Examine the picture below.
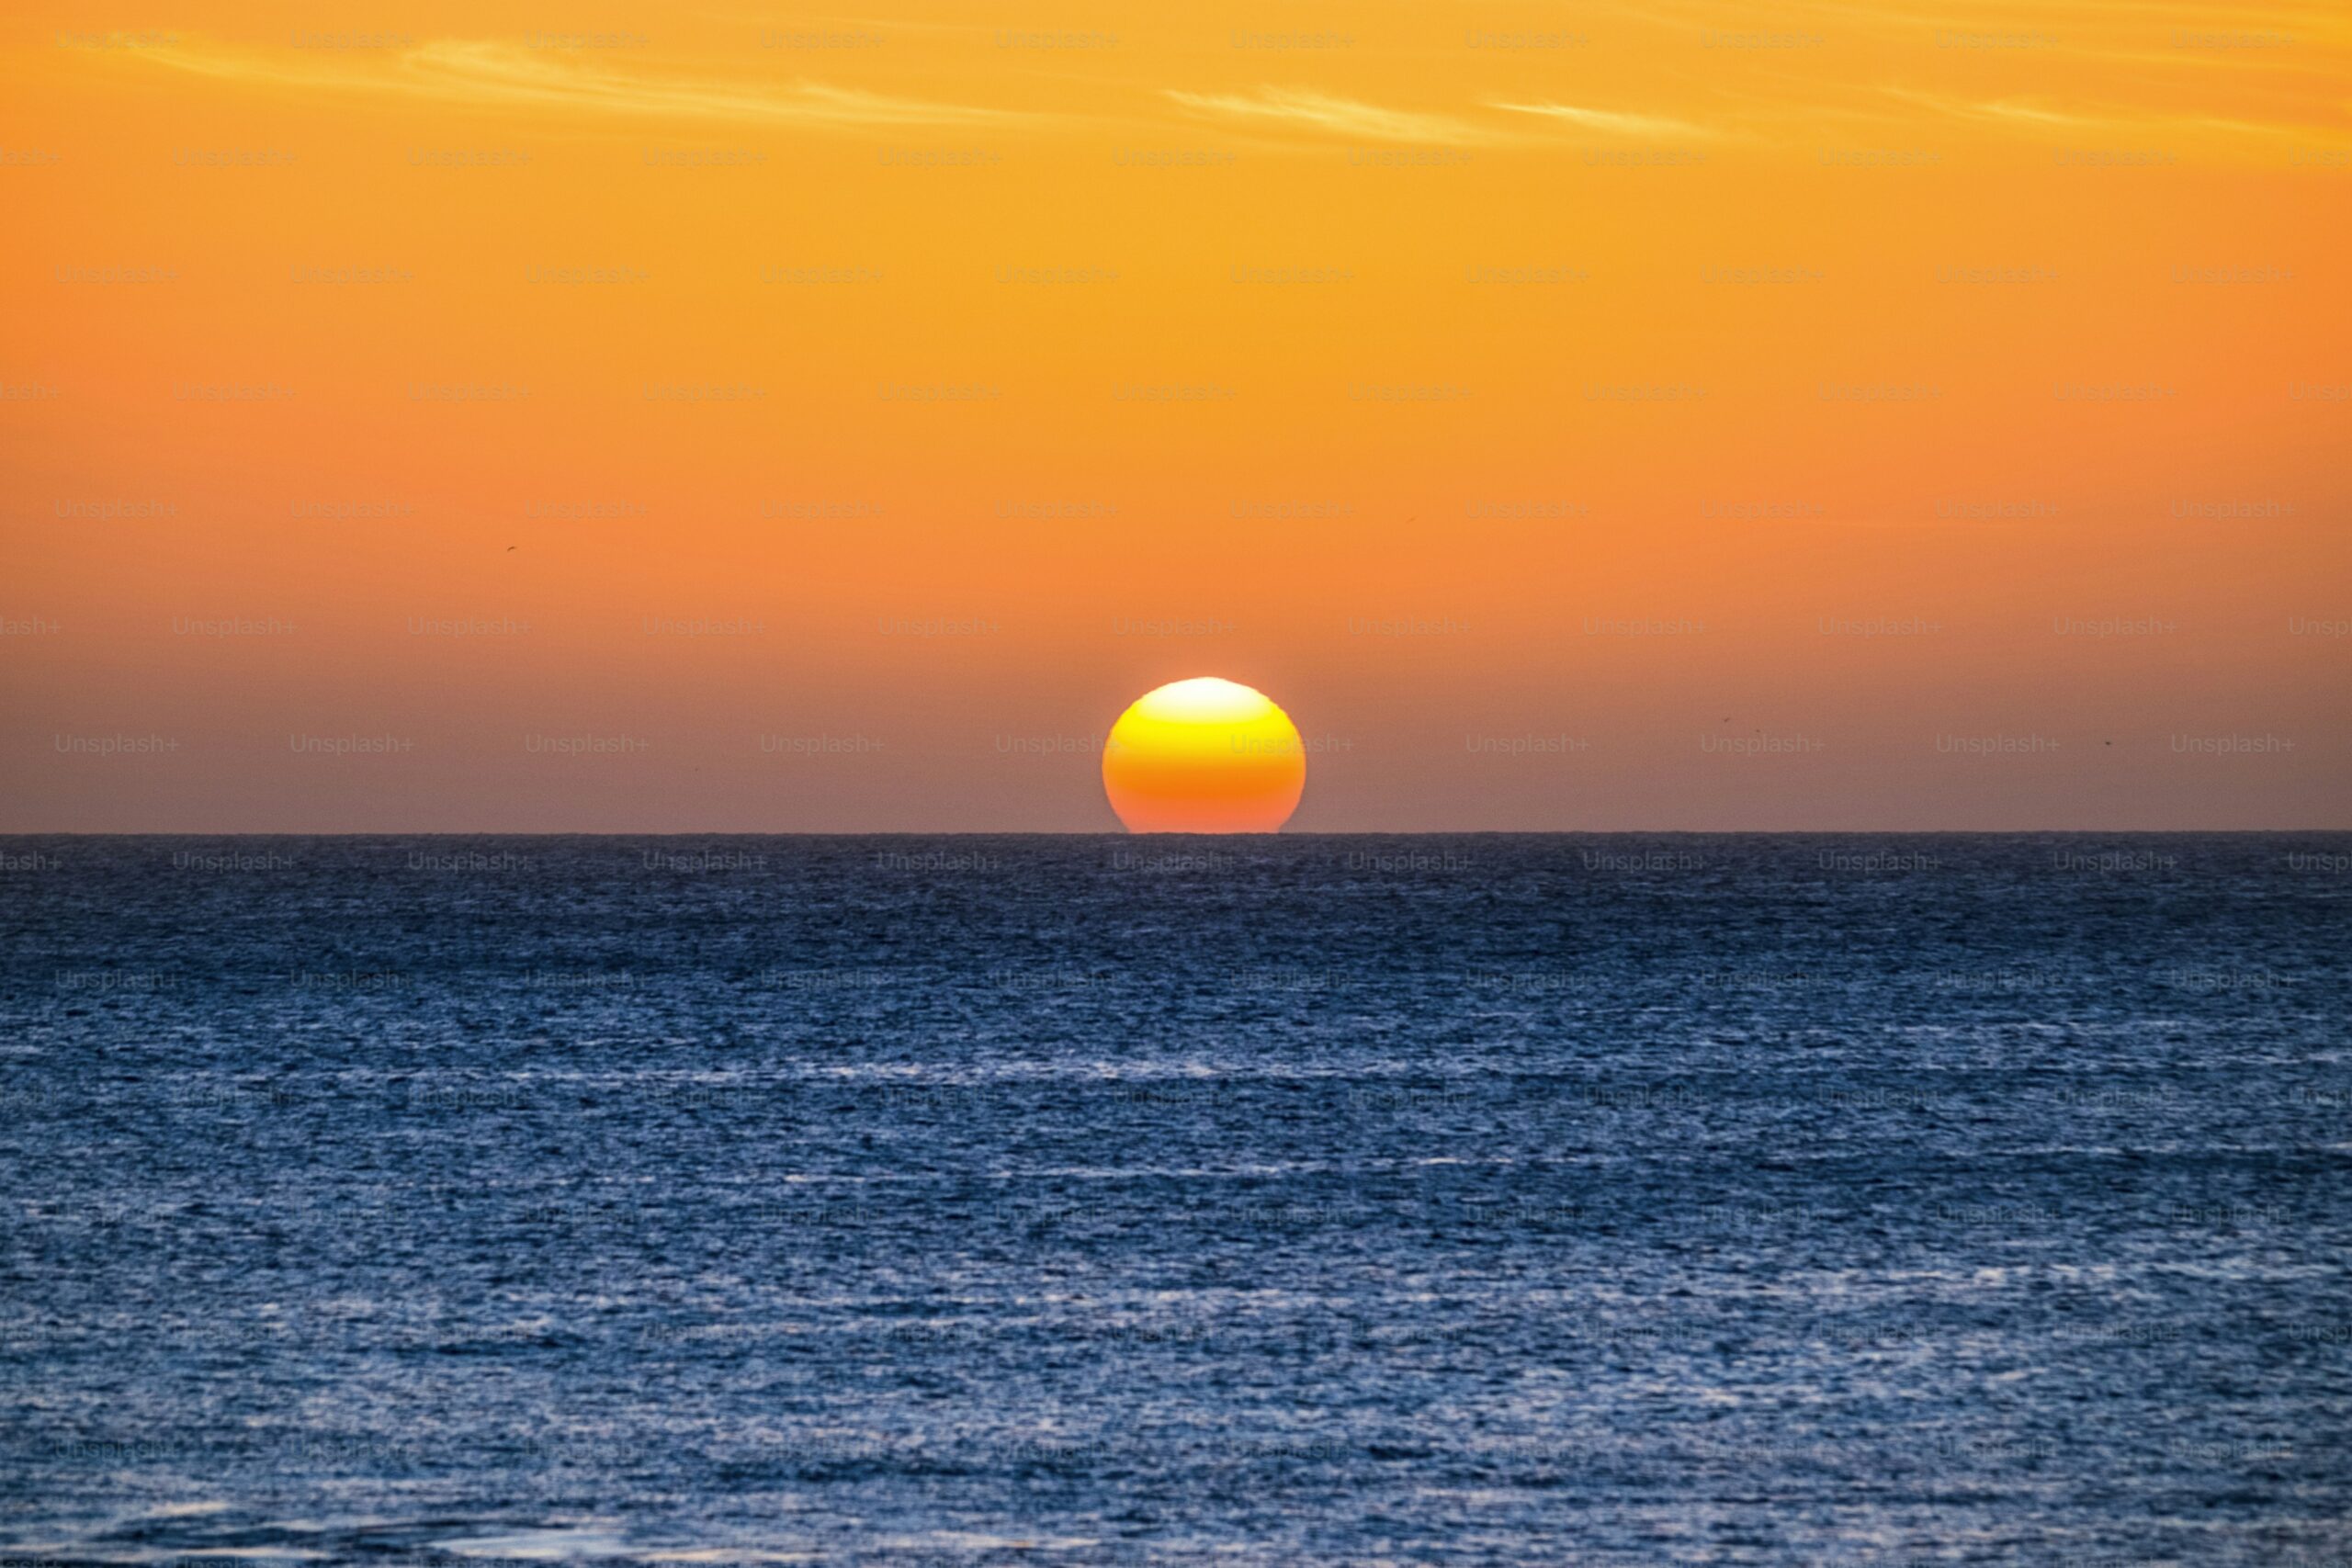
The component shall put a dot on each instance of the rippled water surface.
(1479, 1198)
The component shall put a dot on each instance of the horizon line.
(1123, 834)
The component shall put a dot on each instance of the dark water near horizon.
(1487, 1199)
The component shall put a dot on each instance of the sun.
(1204, 756)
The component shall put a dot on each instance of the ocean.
(1314, 1200)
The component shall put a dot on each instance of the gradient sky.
(508, 417)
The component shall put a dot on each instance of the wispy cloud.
(2027, 114)
(491, 74)
(2030, 114)
(1609, 121)
(1305, 108)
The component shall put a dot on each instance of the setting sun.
(1204, 756)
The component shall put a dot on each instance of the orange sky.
(498, 416)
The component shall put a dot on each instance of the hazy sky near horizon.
(507, 416)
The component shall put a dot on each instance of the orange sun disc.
(1204, 756)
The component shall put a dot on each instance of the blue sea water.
(1477, 1199)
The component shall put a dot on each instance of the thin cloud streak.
(491, 74)
(2023, 116)
(1309, 110)
(1610, 121)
